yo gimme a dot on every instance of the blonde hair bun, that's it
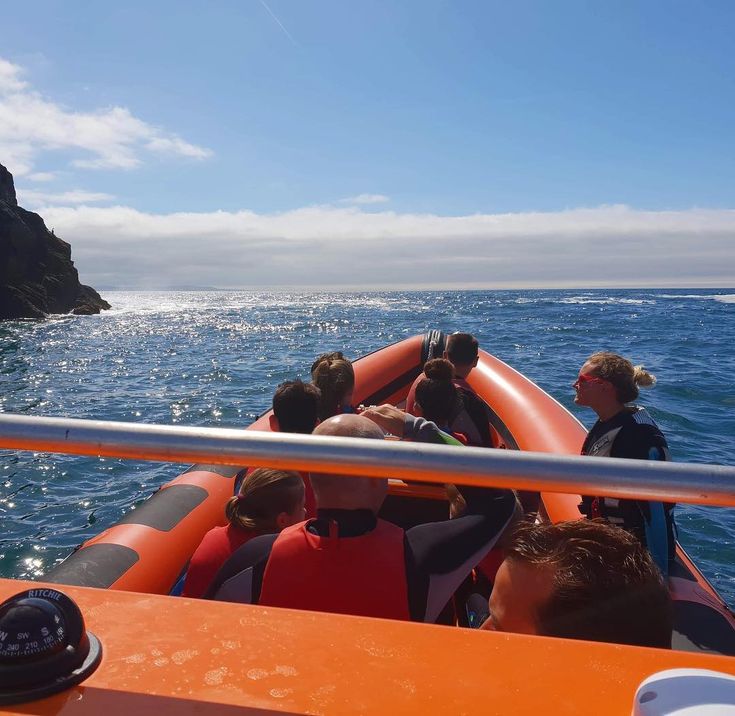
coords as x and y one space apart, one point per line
642 377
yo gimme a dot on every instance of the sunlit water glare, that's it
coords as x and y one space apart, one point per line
214 358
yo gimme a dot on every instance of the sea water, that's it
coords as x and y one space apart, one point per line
214 359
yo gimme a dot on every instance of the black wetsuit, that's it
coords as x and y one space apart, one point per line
438 555
478 412
632 433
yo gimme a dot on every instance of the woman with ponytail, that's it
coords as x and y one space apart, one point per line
268 501
606 383
437 398
333 374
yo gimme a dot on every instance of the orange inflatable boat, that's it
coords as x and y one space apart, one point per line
173 655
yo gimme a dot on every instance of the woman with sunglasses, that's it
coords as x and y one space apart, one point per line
606 383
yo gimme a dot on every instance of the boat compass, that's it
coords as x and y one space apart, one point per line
44 646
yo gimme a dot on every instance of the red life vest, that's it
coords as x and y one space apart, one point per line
363 576
215 549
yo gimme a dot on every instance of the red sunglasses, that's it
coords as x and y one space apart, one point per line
587 378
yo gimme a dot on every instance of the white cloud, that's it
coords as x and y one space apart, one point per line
105 138
327 246
29 197
176 145
9 77
365 199
42 176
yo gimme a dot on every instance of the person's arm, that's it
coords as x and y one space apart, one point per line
439 555
424 431
646 442
657 535
407 427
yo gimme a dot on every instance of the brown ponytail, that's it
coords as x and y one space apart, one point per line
333 374
264 494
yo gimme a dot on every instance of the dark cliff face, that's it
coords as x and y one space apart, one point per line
7 188
37 275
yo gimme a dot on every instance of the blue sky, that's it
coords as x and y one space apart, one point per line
310 126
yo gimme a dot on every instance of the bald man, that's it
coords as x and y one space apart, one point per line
349 561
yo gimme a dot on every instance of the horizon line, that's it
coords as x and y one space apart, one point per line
422 288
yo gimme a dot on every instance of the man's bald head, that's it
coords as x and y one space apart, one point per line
347 492
349 426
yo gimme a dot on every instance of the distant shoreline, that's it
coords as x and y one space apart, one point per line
406 289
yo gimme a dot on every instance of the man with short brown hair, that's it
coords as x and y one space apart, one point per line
462 350
584 579
295 408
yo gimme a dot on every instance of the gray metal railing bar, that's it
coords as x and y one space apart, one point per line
672 482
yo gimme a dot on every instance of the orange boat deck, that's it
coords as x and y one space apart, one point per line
167 655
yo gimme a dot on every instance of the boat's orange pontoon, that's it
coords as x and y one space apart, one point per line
174 655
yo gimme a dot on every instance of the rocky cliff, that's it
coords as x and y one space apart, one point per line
37 275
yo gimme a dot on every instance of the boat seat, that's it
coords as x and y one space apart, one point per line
699 628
